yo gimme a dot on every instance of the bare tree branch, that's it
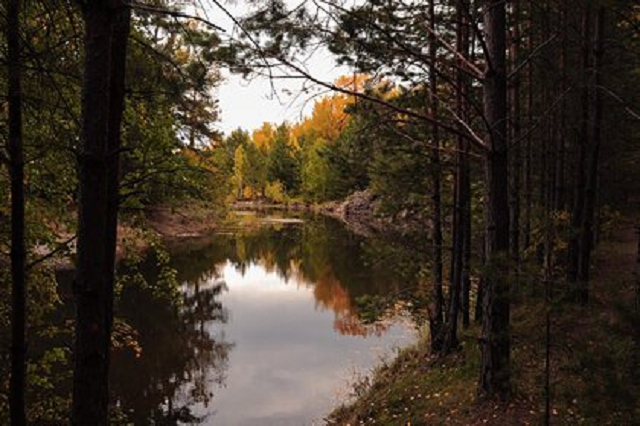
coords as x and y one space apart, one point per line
63 246
532 55
475 139
621 101
172 13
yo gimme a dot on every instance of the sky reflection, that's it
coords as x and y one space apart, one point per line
288 363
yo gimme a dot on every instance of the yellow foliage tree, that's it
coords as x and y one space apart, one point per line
263 136
329 118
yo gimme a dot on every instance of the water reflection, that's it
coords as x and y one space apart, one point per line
181 359
266 332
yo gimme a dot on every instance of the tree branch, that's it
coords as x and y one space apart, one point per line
61 247
172 13
532 55
477 141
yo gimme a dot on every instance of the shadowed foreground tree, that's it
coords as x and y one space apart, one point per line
106 33
18 244
495 375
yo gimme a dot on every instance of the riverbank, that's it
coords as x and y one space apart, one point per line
593 375
170 224
136 232
361 212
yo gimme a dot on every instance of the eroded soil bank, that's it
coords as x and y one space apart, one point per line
170 225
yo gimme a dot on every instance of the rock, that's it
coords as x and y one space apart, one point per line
361 213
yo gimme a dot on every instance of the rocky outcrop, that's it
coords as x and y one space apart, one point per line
362 213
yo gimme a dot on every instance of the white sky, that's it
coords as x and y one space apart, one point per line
248 104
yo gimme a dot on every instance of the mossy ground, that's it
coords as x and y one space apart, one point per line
595 353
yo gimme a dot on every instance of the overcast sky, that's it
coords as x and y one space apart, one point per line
248 104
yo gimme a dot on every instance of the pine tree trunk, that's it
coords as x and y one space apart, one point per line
119 42
495 378
451 328
560 191
466 239
586 233
514 198
465 181
582 144
18 245
102 97
436 319
460 199
528 177
480 294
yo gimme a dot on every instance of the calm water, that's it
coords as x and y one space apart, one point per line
266 332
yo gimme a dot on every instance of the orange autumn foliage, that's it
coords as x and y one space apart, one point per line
328 118
263 136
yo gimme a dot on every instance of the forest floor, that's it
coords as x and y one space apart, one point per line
594 374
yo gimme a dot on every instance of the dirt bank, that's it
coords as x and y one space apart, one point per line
136 232
363 214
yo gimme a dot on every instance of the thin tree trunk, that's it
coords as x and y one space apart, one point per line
451 328
582 144
18 245
466 238
481 287
514 199
637 271
528 182
438 302
102 94
460 200
495 378
586 234
547 361
547 279
465 184
560 191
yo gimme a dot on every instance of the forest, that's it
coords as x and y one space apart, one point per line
482 154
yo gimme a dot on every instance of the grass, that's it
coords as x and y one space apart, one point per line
594 369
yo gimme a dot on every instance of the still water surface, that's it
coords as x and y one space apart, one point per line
267 331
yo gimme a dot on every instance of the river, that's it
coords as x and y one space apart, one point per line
265 331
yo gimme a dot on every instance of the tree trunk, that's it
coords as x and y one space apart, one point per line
460 198
466 239
465 181
438 302
18 245
495 375
586 234
480 294
582 144
560 191
514 190
119 38
451 328
528 177
102 98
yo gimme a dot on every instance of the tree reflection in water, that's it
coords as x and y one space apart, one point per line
338 265
184 355
181 361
